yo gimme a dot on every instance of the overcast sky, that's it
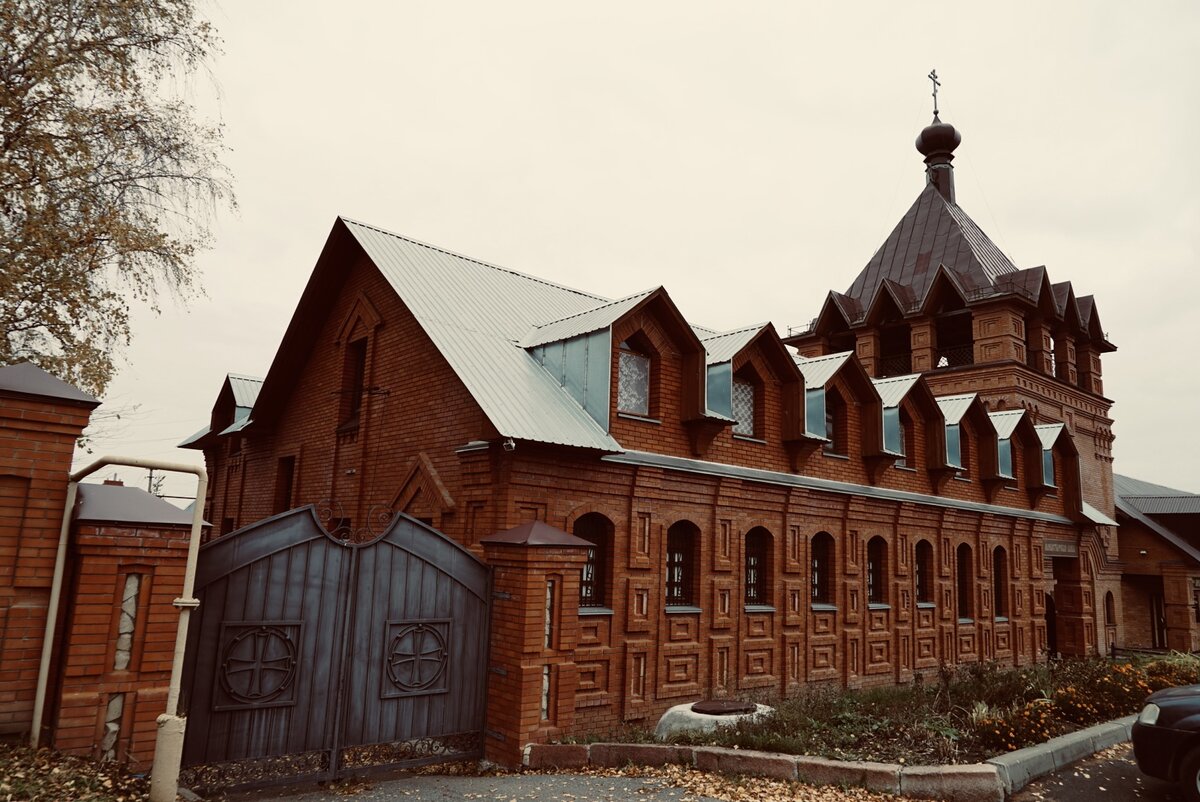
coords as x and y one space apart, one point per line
748 157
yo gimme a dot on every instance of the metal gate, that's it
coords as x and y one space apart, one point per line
313 658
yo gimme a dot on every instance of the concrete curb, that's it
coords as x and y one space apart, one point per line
1018 769
992 781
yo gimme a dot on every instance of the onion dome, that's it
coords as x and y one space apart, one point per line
938 138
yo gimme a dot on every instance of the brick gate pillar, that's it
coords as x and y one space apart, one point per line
535 625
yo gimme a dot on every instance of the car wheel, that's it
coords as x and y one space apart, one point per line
1189 776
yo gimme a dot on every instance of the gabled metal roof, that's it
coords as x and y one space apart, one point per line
1095 516
245 389
1164 532
1049 433
725 346
893 389
954 406
26 378
477 316
594 319
818 370
1006 421
118 503
1153 499
195 438
241 419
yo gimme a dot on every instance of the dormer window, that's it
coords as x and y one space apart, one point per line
1004 457
835 423
954 453
744 408
1048 467
633 381
815 422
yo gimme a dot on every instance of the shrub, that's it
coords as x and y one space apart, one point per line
1099 690
1032 723
1177 668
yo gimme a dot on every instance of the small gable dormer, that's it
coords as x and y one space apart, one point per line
841 409
913 430
743 366
1018 456
970 436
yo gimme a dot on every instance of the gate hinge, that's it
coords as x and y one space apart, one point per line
501 594
499 736
499 670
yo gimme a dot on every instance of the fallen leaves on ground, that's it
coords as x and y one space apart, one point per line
740 789
46 776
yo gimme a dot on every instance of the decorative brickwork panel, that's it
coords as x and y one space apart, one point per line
723 546
679 673
641 544
722 650
722 603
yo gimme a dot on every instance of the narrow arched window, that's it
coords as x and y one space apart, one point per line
821 576
877 571
1000 581
965 582
597 530
683 549
923 566
758 566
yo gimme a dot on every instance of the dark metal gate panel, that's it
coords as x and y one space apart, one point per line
311 657
418 646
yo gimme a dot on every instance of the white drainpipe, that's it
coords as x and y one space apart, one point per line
168 751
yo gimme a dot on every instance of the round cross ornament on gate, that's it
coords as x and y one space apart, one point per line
259 664
417 657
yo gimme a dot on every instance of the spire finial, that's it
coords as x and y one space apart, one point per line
936 83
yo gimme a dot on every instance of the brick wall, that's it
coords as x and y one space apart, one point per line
119 640
410 452
37 438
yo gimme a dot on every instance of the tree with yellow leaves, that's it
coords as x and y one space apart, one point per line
107 188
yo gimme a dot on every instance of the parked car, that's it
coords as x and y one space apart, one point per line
1166 738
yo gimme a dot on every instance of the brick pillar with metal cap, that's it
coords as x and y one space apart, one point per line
532 675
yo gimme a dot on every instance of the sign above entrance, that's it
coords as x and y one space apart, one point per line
1061 548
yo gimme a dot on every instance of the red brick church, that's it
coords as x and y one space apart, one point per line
921 477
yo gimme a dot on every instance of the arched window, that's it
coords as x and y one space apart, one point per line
966 582
877 571
683 550
1000 581
822 568
594 576
758 566
1110 610
924 570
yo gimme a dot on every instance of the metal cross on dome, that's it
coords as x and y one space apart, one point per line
936 83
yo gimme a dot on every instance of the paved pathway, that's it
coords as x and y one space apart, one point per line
505 788
1108 776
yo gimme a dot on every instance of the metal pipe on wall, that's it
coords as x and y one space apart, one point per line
168 752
